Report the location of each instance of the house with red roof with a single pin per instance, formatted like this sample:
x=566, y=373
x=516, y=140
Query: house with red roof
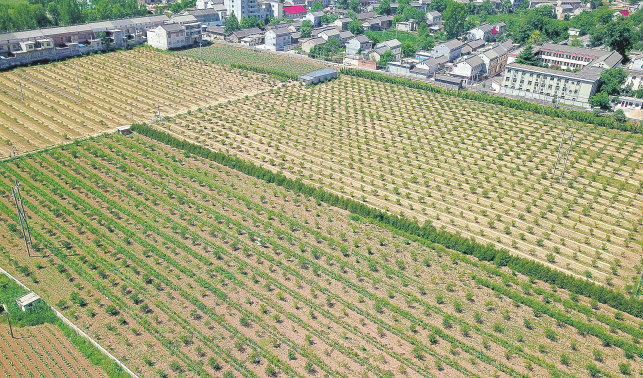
x=621, y=13
x=295, y=12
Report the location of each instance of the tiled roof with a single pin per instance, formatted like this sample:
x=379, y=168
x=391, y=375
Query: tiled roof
x=294, y=10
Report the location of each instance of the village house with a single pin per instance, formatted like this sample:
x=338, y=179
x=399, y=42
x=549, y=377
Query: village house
x=469, y=69
x=314, y=18
x=296, y=12
x=452, y=49
x=433, y=18
x=358, y=44
x=278, y=39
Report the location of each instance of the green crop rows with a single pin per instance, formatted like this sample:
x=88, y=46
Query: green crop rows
x=200, y=269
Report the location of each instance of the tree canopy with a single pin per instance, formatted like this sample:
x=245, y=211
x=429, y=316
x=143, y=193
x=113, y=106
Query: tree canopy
x=355, y=27
x=385, y=58
x=45, y=13
x=231, y=23
x=454, y=18
x=306, y=29
x=317, y=6
x=527, y=56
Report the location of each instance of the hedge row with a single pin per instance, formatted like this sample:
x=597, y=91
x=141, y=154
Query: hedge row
x=501, y=257
x=576, y=115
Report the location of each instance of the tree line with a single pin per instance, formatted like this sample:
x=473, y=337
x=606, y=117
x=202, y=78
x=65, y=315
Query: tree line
x=47, y=13
x=427, y=232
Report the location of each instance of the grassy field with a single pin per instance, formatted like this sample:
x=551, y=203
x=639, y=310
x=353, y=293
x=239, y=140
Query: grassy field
x=179, y=265
x=115, y=89
x=466, y=167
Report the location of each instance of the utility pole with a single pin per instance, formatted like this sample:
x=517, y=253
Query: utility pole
x=159, y=109
x=22, y=216
x=131, y=108
x=4, y=309
x=77, y=82
x=21, y=92
x=12, y=149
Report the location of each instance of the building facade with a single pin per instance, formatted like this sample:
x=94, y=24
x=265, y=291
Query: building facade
x=548, y=85
x=65, y=41
x=261, y=10
x=278, y=39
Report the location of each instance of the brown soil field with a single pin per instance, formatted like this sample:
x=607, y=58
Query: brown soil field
x=191, y=268
x=42, y=351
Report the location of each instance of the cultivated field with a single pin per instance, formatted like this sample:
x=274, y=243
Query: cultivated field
x=259, y=60
x=42, y=351
x=114, y=89
x=177, y=264
x=467, y=167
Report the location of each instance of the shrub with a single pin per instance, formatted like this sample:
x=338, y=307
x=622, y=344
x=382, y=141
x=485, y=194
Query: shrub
x=112, y=310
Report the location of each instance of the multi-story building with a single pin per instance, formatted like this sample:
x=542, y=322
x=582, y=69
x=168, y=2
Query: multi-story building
x=208, y=17
x=539, y=83
x=175, y=35
x=452, y=49
x=260, y=9
x=278, y=39
x=28, y=46
x=563, y=56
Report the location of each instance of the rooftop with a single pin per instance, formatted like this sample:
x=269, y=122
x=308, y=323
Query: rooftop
x=565, y=49
x=27, y=299
x=88, y=27
x=587, y=74
x=172, y=27
x=294, y=9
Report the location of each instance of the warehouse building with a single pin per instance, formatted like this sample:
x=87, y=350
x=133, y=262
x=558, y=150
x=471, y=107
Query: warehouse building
x=318, y=76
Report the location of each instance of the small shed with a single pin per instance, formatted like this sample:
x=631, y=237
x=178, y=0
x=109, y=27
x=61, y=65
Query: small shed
x=318, y=76
x=27, y=300
x=124, y=130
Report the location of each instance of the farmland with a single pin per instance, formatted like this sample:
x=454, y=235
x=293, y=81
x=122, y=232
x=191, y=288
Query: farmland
x=466, y=167
x=115, y=89
x=178, y=264
x=42, y=351
x=41, y=346
x=257, y=60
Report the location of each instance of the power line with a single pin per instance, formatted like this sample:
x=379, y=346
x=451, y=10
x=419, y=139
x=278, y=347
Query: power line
x=22, y=217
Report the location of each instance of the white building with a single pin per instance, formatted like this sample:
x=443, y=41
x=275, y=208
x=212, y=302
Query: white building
x=27, y=300
x=259, y=9
x=278, y=39
x=314, y=18
x=358, y=44
x=207, y=4
x=168, y=36
x=470, y=69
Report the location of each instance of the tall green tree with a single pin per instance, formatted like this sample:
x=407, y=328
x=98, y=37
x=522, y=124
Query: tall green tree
x=384, y=8
x=69, y=12
x=306, y=29
x=317, y=6
x=385, y=58
x=356, y=27
x=454, y=18
x=439, y=5
x=612, y=81
x=408, y=49
x=251, y=22
x=527, y=56
x=231, y=23
x=620, y=36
